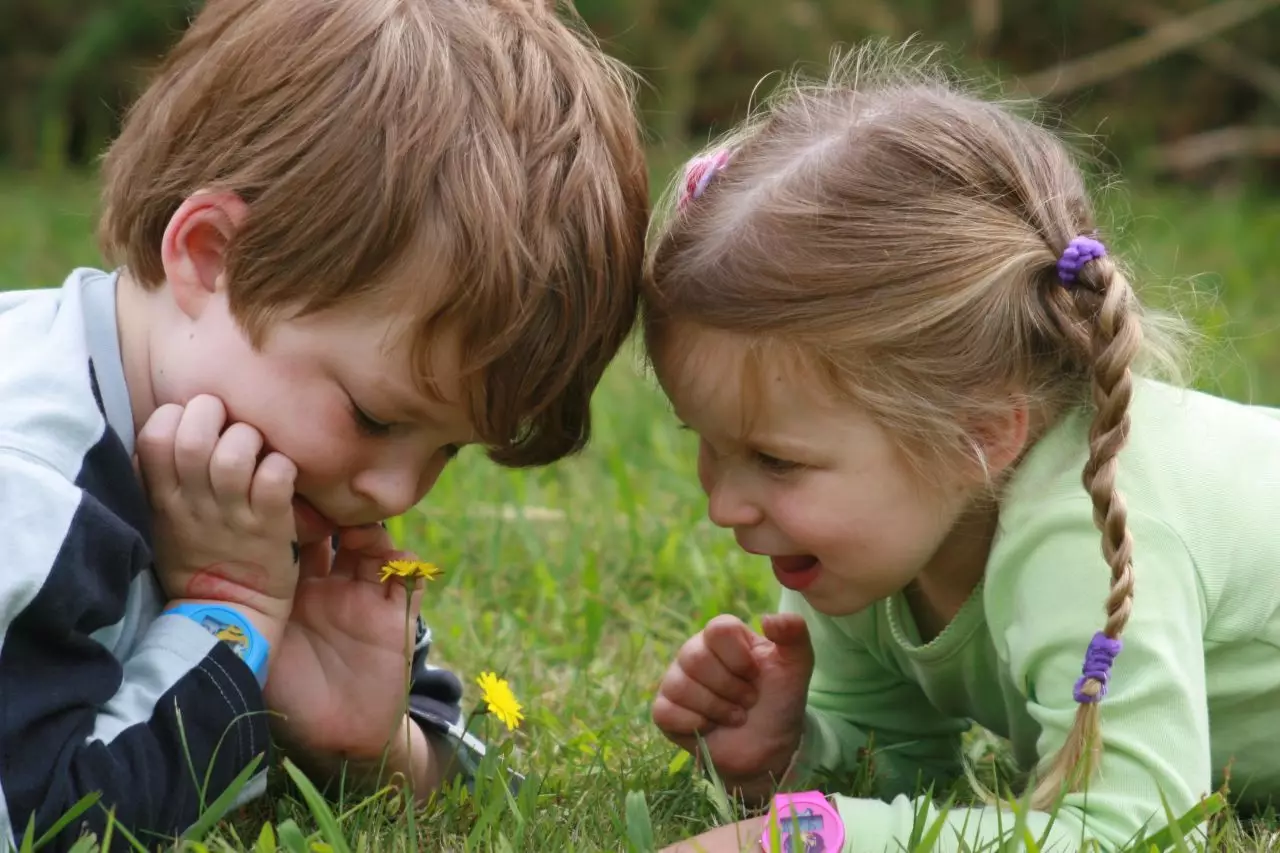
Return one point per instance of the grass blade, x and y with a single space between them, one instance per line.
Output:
215 811
266 842
929 838
29 837
128 836
329 829
639 824
291 838
86 802
1174 833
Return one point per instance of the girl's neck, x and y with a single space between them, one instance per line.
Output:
945 584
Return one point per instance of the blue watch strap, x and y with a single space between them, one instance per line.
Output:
233 629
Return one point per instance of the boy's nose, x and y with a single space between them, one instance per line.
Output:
398 484
392 490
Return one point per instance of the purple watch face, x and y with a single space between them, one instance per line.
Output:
805 822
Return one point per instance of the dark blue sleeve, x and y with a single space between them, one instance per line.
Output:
145 726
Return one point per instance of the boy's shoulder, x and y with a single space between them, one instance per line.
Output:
49 412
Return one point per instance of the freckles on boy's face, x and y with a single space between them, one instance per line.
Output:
334 392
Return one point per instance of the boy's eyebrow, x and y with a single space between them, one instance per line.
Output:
417 404
413 405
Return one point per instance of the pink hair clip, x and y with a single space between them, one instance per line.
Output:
699 172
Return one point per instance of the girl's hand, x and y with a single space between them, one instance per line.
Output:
744 694
740 837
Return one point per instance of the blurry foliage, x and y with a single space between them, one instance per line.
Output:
67 67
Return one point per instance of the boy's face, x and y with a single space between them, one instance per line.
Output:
332 392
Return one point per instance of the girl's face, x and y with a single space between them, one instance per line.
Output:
812 482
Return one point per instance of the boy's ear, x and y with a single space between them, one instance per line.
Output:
1002 438
194 248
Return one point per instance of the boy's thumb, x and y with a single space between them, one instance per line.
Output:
789 633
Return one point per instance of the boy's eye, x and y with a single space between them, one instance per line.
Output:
368 425
774 465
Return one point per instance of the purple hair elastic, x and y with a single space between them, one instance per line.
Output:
1097 666
1079 252
700 172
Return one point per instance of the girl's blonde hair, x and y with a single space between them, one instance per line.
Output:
902 234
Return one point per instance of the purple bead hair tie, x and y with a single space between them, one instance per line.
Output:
1097 666
1079 252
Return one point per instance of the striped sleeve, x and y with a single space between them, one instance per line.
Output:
148 730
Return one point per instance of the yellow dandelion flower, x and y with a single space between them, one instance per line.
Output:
502 703
410 569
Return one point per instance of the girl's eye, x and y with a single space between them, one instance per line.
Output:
774 465
367 425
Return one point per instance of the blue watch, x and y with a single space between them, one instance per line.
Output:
232 628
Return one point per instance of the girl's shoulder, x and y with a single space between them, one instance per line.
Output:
1183 445
1200 482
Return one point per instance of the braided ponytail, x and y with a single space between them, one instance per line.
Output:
1103 303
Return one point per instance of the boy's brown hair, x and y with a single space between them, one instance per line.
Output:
486 150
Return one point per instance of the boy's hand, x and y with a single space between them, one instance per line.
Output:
744 694
224 528
340 678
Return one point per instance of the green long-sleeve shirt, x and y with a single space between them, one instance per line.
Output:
1196 688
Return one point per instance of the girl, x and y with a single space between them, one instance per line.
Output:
884 307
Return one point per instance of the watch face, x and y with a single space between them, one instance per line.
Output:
806 824
229 633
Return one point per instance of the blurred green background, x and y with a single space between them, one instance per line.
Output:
1182 89
580 581
1181 99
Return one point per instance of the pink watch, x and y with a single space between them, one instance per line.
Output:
805 821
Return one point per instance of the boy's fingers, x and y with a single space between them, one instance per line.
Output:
365 538
198 431
315 560
366 564
271 492
154 449
231 468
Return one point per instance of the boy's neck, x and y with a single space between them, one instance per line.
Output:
135 311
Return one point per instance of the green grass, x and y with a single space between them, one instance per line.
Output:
580 581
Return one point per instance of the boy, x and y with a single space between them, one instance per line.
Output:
352 236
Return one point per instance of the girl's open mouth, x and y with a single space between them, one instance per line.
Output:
796 571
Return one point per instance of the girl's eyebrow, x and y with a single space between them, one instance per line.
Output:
785 445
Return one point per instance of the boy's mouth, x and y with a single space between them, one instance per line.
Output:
796 571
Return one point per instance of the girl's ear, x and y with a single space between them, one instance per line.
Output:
1000 439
